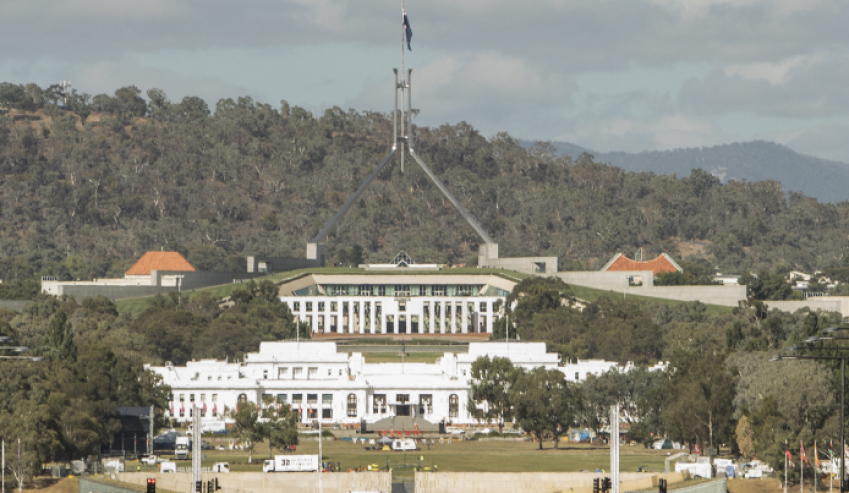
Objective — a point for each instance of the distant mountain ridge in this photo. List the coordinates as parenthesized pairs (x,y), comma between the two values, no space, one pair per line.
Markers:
(828,181)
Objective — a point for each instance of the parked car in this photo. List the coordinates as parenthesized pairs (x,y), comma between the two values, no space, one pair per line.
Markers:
(167,466)
(221,467)
(150,460)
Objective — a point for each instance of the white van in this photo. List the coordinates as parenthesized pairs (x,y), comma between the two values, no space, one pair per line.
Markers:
(167,466)
(221,467)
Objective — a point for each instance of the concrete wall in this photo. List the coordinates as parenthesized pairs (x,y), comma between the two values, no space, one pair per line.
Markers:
(281,264)
(614,281)
(710,295)
(532,482)
(619,282)
(527,265)
(258,482)
(826,303)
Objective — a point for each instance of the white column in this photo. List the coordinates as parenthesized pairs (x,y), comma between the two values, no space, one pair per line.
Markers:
(362,308)
(490,315)
(431,317)
(441,317)
(352,328)
(382,319)
(464,319)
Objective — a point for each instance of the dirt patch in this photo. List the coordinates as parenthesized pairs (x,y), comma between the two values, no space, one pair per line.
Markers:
(687,248)
(765,485)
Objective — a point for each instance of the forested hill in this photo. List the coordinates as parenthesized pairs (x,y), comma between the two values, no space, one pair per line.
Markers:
(753,161)
(84,191)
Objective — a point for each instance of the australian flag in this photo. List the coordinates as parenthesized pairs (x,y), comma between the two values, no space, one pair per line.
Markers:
(407,29)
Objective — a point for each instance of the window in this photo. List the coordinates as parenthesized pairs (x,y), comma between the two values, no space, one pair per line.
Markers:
(334,306)
(321,306)
(453,406)
(214,397)
(265,374)
(182,397)
(426,404)
(191,397)
(352,406)
(312,372)
(379,404)
(327,413)
(329,372)
(296,306)
(297,398)
(402,306)
(402,290)
(203,397)
(309,306)
(297,372)
(281,398)
(482,307)
(312,398)
(327,399)
(402,398)
(365,289)
(283,372)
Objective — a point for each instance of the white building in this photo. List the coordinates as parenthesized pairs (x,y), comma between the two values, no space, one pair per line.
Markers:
(339,387)
(399,300)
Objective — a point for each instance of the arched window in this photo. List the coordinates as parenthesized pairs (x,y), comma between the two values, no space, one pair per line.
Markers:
(453,406)
(352,406)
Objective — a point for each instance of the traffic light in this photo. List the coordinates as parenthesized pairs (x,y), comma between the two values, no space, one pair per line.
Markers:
(216,485)
(605,484)
(595,485)
(661,485)
(198,486)
(210,486)
(151,485)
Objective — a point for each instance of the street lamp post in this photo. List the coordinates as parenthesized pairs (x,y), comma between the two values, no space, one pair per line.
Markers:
(840,354)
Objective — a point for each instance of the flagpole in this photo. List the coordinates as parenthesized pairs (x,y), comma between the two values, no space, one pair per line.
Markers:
(786,460)
(403,84)
(801,474)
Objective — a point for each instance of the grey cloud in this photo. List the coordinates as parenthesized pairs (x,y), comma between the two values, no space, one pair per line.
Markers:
(812,89)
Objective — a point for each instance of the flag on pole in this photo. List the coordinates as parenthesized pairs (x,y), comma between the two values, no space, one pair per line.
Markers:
(802,453)
(215,409)
(831,449)
(816,455)
(789,459)
(407,29)
(204,407)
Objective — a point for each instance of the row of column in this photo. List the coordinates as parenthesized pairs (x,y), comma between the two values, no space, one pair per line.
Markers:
(353,320)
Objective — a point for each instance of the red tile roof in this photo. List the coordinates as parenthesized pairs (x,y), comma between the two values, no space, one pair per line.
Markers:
(658,265)
(161,261)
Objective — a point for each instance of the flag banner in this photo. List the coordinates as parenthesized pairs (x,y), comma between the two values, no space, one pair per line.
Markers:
(816,455)
(802,453)
(409,32)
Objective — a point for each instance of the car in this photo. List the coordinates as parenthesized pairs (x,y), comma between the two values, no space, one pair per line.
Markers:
(221,467)
(454,430)
(167,466)
(150,460)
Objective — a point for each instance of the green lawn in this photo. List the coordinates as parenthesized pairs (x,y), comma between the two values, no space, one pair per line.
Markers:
(486,455)
(395,357)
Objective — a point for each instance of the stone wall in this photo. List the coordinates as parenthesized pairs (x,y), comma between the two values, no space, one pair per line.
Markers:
(258,482)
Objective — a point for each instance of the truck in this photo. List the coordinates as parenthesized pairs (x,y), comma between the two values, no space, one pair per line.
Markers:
(291,463)
(181,448)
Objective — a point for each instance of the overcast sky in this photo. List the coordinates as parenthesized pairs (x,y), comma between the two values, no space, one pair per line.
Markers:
(609,75)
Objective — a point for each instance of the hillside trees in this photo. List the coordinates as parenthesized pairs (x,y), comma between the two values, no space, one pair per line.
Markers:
(137,176)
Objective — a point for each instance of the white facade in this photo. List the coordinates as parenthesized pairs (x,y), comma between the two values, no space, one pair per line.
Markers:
(339,387)
(393,303)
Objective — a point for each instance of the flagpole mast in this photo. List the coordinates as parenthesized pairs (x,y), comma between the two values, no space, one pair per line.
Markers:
(403,84)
